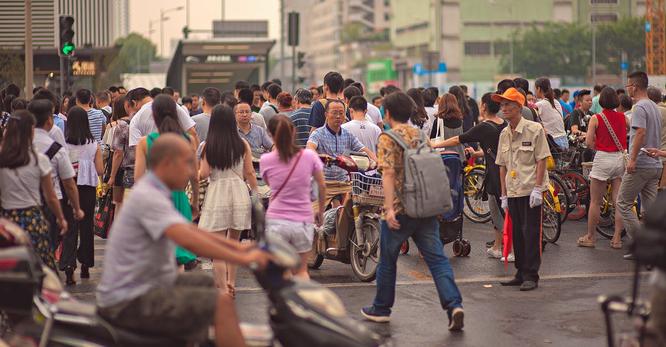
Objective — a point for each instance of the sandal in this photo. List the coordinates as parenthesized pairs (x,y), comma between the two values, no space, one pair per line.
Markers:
(584,241)
(616,244)
(231,290)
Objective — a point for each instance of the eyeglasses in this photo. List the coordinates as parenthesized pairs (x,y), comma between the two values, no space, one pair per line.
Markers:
(337,113)
(243,112)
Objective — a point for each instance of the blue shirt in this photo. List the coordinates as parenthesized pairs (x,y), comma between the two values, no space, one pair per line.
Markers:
(258,139)
(59,122)
(328,142)
(97,121)
(565,107)
(301,118)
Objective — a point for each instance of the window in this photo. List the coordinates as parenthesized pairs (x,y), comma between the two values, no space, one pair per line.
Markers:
(603,17)
(502,47)
(477,48)
(594,2)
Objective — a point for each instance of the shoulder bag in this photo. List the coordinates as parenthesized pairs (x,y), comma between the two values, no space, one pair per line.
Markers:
(286,180)
(625,155)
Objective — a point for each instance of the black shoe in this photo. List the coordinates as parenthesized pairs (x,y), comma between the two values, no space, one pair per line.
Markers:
(513,283)
(191,265)
(629,256)
(69,281)
(528,285)
(84,272)
(490,243)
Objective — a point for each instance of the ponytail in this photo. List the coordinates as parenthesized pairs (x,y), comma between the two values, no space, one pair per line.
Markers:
(282,130)
(544,84)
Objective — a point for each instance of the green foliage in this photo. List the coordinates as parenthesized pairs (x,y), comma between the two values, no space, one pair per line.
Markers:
(565,50)
(135,53)
(12,68)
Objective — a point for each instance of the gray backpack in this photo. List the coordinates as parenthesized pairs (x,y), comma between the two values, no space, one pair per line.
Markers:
(426,191)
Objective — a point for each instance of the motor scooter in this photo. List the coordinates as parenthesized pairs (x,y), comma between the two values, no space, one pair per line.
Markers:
(302,313)
(350,233)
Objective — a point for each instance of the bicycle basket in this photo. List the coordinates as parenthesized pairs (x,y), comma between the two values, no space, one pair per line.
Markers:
(367,190)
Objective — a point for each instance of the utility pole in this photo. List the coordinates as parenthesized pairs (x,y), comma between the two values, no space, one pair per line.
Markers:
(162,33)
(594,54)
(187,13)
(222,13)
(28,49)
(282,72)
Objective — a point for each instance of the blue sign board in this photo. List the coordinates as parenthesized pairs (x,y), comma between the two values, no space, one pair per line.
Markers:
(420,71)
(624,66)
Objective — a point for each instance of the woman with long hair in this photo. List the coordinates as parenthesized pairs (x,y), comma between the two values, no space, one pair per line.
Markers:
(165,114)
(285,170)
(461,98)
(86,158)
(23,172)
(448,123)
(227,160)
(122,159)
(608,164)
(550,112)
(419,118)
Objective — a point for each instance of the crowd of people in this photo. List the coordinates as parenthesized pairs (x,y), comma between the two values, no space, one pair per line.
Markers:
(181,171)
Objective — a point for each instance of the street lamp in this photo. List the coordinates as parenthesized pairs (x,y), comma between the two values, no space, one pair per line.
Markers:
(162,20)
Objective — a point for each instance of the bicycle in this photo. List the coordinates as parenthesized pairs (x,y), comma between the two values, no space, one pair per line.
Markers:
(475,209)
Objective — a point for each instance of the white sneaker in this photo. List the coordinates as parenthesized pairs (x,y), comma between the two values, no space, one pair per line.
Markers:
(206,265)
(494,253)
(512,258)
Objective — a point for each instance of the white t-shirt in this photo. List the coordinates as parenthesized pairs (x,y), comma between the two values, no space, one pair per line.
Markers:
(551,118)
(374,113)
(62,167)
(365,131)
(427,127)
(142,124)
(19,188)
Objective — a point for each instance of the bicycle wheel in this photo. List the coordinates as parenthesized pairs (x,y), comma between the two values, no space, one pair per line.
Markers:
(579,187)
(475,209)
(563,194)
(606,225)
(552,224)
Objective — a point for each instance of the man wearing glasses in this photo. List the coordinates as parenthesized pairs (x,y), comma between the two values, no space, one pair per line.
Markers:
(256,136)
(333,140)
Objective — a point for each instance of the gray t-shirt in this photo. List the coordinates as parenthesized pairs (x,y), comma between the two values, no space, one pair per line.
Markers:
(202,121)
(646,115)
(139,256)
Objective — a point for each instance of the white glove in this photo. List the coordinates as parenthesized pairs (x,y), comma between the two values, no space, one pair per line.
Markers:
(504,202)
(536,198)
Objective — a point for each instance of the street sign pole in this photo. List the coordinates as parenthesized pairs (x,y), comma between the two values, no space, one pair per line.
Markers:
(28,49)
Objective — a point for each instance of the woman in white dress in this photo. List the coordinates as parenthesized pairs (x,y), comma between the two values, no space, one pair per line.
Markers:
(227,160)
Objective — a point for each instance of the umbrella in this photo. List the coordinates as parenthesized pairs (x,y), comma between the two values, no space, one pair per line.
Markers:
(508,237)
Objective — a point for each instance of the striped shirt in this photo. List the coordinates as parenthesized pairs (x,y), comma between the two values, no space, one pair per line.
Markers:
(301,118)
(328,142)
(97,122)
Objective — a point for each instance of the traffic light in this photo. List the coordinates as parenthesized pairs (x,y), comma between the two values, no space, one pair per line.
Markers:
(186,31)
(300,60)
(66,38)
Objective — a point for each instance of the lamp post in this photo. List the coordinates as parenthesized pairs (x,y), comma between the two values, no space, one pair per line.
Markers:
(162,20)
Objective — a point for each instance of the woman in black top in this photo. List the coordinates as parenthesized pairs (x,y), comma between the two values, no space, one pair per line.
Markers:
(487,133)
(448,123)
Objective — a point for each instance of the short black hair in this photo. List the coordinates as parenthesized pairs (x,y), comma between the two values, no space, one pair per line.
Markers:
(359,85)
(211,96)
(653,93)
(42,110)
(378,97)
(186,100)
(274,90)
(137,94)
(399,105)
(264,86)
(334,81)
(640,79)
(155,92)
(429,98)
(463,87)
(522,83)
(608,98)
(388,90)
(349,82)
(492,106)
(626,102)
(245,96)
(565,91)
(168,91)
(45,94)
(434,91)
(331,102)
(620,91)
(584,92)
(113,89)
(229,99)
(303,96)
(504,84)
(277,81)
(83,96)
(255,87)
(18,104)
(358,103)
(241,85)
(12,89)
(557,93)
(598,88)
(351,92)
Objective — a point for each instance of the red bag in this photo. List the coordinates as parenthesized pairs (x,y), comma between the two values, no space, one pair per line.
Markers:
(507,236)
(104,211)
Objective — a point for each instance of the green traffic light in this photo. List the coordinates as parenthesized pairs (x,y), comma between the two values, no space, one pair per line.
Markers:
(67,48)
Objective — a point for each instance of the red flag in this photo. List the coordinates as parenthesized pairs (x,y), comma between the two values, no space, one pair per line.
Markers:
(507,236)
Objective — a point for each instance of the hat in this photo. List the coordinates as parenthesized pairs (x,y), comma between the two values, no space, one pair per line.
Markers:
(576,93)
(511,94)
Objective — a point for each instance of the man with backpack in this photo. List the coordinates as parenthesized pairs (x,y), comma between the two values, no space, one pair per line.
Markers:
(523,149)
(270,109)
(333,86)
(411,213)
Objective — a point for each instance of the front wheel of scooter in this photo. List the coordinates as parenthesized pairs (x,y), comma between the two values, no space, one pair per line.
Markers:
(365,253)
(314,258)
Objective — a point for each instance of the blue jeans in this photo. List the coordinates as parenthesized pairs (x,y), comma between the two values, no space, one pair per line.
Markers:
(425,233)
(562,141)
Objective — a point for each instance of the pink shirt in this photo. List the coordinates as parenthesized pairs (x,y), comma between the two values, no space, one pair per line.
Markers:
(293,202)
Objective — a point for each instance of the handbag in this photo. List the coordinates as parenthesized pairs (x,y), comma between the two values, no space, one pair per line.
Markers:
(104,213)
(293,167)
(625,156)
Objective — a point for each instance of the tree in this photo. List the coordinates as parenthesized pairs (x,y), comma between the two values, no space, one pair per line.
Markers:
(12,68)
(135,53)
(565,50)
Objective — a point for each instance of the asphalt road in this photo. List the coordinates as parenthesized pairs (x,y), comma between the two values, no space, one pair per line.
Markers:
(562,312)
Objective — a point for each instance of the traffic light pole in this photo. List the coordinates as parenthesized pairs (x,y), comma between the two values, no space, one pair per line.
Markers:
(28,50)
(293,68)
(62,76)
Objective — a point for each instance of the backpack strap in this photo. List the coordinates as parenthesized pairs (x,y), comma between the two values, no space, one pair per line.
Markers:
(53,150)
(397,138)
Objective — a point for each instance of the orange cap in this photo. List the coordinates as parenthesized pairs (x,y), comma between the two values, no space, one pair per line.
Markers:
(511,94)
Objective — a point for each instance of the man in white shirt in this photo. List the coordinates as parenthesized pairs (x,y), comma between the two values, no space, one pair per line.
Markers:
(364,130)
(143,123)
(209,98)
(373,111)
